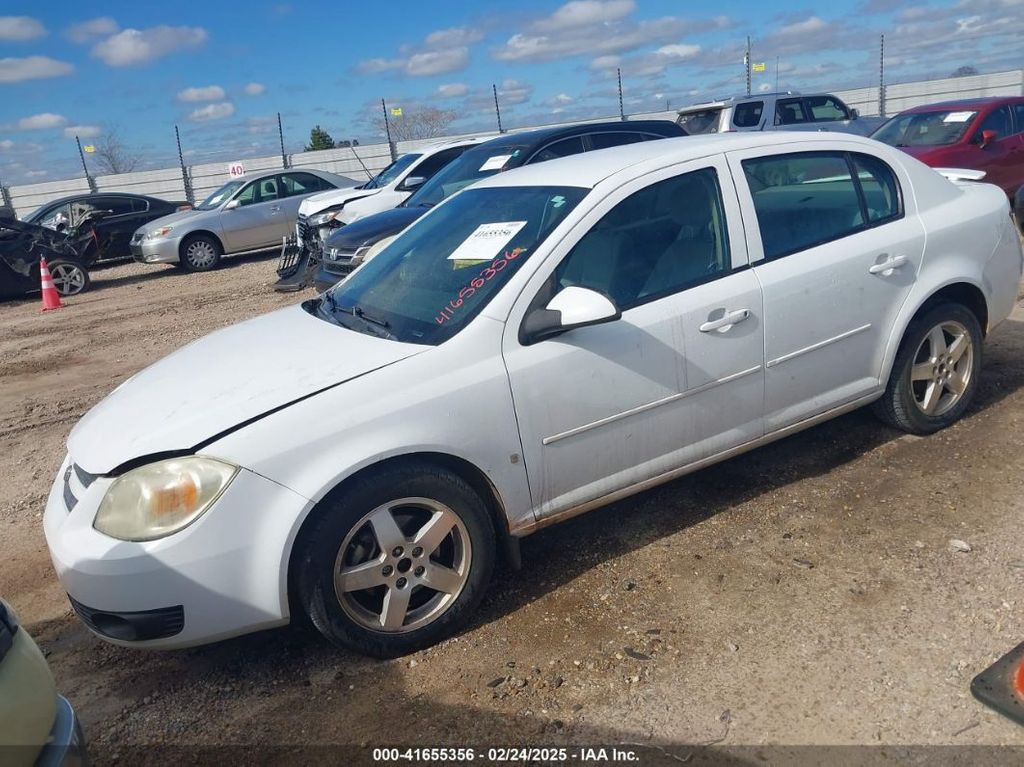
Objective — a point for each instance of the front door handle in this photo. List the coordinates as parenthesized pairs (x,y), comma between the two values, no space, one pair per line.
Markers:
(887,267)
(275,209)
(726,321)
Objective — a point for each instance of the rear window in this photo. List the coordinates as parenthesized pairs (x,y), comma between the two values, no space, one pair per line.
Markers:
(702,121)
(748,115)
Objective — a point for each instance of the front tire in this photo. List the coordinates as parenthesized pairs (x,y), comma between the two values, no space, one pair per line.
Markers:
(69,277)
(935,374)
(397,561)
(200,253)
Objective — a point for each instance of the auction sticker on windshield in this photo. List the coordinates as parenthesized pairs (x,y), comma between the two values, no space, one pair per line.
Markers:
(484,241)
(958,117)
(496,163)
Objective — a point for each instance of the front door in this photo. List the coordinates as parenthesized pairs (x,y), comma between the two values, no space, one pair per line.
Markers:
(836,248)
(258,221)
(679,376)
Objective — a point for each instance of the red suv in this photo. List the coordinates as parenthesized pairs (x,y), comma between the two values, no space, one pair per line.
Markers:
(981,134)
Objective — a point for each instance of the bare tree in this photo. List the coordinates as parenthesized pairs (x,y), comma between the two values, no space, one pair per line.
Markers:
(112,156)
(428,122)
(965,71)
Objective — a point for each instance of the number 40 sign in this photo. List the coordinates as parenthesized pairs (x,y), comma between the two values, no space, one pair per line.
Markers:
(236,169)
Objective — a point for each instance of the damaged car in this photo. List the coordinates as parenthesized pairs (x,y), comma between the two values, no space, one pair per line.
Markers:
(68,255)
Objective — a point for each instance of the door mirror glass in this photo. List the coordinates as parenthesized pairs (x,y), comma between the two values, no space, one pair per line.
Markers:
(854,113)
(573,307)
(987,137)
(413,182)
(232,204)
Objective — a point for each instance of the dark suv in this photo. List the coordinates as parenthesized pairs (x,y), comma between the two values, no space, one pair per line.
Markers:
(351,245)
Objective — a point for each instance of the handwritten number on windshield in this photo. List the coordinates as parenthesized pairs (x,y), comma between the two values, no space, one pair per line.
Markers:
(486,275)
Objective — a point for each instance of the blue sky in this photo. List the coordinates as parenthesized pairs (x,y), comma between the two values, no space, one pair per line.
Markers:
(221,71)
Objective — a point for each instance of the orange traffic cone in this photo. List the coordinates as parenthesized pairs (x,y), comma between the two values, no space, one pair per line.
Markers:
(51,298)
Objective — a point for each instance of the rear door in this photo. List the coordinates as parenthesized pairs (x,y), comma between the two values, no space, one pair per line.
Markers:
(295,187)
(836,246)
(115,231)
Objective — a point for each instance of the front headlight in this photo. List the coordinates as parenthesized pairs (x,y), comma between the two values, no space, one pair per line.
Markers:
(163,231)
(367,252)
(322,219)
(161,498)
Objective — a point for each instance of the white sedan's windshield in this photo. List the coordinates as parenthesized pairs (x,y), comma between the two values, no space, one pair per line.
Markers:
(393,171)
(430,282)
(218,197)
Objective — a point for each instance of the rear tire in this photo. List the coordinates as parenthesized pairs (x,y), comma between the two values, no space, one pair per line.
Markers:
(200,253)
(935,374)
(397,561)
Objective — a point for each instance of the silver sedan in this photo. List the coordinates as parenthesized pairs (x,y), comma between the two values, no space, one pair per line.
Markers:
(249,213)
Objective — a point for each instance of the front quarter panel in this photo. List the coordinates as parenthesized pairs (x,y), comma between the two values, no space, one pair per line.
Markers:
(452,399)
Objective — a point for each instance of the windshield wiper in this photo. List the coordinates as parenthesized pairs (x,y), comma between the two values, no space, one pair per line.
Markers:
(358,312)
(426,205)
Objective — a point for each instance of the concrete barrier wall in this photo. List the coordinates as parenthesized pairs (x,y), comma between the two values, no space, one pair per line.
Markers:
(361,162)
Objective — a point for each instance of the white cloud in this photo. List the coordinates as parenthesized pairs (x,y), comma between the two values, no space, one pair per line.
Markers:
(606,62)
(42,121)
(85,31)
(20,28)
(514,92)
(138,46)
(6,145)
(560,100)
(587,12)
(678,51)
(441,52)
(32,68)
(82,131)
(452,90)
(255,89)
(35,173)
(213,112)
(204,93)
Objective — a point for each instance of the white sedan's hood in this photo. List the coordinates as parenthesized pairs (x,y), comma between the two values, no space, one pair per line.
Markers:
(324,200)
(218,382)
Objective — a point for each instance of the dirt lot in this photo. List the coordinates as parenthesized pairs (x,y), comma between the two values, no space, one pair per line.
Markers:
(805,593)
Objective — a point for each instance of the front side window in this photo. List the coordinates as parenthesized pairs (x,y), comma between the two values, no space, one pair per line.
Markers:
(563,148)
(668,236)
(998,120)
(263,190)
(1018,112)
(748,114)
(443,270)
(789,112)
(810,198)
(826,109)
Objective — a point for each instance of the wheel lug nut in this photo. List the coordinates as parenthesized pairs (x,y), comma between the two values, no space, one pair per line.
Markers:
(388,569)
(417,552)
(401,583)
(419,571)
(397,551)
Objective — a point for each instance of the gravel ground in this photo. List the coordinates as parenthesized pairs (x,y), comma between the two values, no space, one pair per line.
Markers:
(804,593)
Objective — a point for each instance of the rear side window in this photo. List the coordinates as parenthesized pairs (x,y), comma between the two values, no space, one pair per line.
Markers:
(139,204)
(810,198)
(562,148)
(302,183)
(607,140)
(748,115)
(789,112)
(703,121)
(826,108)
(118,206)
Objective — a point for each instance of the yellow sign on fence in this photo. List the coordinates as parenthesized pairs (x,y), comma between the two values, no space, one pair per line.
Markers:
(758,67)
(396,111)
(88,149)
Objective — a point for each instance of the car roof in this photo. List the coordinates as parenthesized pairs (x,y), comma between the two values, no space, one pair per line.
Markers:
(436,146)
(976,103)
(92,195)
(532,139)
(590,168)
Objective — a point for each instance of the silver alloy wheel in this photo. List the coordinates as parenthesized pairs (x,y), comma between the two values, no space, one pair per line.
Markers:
(68,279)
(201,254)
(942,369)
(402,565)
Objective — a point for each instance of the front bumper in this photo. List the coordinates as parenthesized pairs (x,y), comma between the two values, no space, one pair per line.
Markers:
(66,744)
(223,575)
(163,251)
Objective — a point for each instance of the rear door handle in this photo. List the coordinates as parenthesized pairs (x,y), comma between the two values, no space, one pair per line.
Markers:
(726,321)
(888,266)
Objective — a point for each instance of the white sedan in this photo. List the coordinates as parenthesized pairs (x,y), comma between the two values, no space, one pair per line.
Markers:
(544,342)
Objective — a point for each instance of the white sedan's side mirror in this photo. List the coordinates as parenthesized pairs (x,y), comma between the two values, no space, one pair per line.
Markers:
(232,204)
(572,307)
